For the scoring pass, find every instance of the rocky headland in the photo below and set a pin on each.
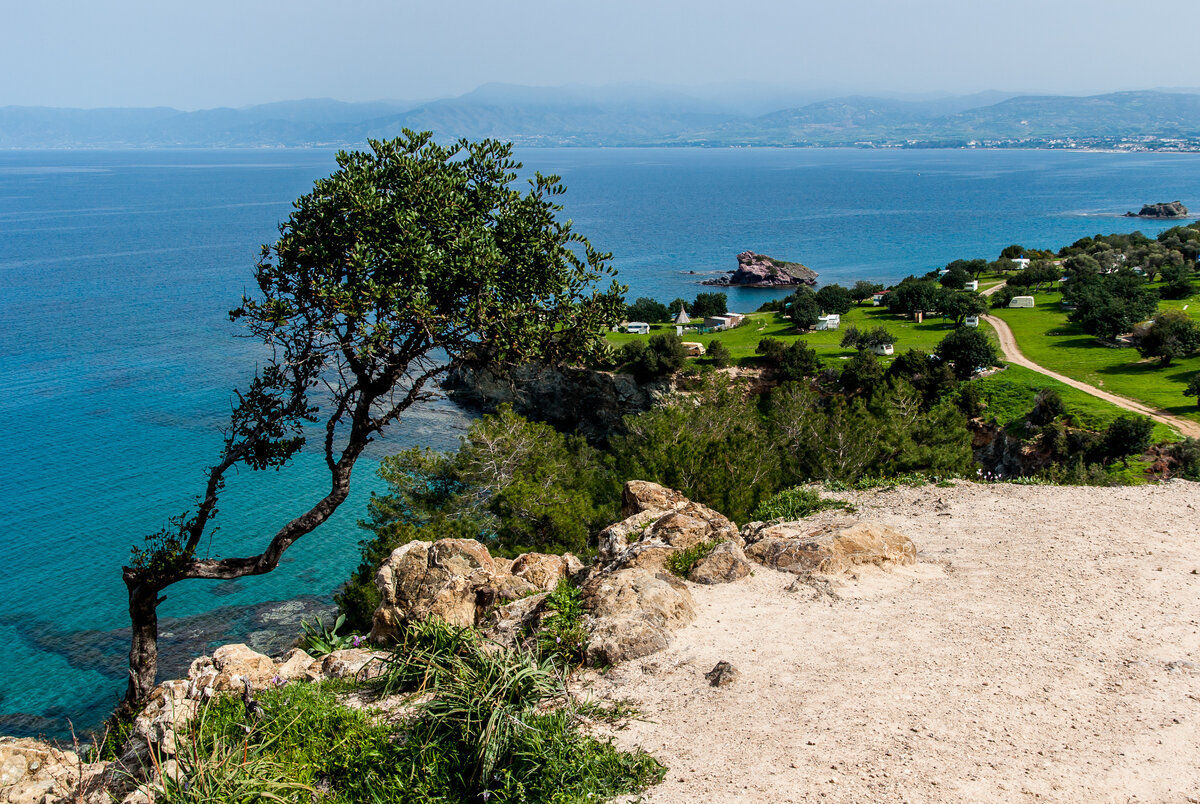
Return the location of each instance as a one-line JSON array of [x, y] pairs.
[[761, 271], [938, 643], [1168, 210]]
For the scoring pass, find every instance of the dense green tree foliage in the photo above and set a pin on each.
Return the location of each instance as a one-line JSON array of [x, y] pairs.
[[709, 304], [968, 350], [791, 362], [648, 310], [834, 299], [915, 296], [661, 355], [802, 308], [863, 290], [958, 305], [1109, 305], [955, 278], [718, 353], [1193, 387], [1173, 334]]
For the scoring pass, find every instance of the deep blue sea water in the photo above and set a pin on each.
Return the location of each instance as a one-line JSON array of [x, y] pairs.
[[117, 270]]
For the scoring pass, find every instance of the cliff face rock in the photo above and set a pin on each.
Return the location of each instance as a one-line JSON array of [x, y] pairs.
[[761, 271], [1173, 209], [591, 402], [797, 547], [458, 581]]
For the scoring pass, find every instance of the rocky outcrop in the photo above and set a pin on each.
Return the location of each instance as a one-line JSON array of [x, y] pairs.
[[32, 772], [593, 403], [1169, 210], [659, 523], [798, 547], [761, 271], [458, 581], [632, 613], [726, 563]]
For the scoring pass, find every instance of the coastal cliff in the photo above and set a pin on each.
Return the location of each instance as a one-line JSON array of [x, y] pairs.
[[760, 271], [591, 402]]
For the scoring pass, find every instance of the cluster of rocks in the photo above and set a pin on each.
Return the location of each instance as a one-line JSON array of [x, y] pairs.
[[633, 605], [761, 271], [33, 772]]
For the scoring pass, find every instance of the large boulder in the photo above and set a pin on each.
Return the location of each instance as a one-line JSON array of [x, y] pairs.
[[632, 612], [33, 772], [799, 547], [726, 562], [659, 522], [227, 669], [458, 581], [760, 271]]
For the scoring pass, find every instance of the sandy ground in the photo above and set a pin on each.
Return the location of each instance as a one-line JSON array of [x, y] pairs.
[[1045, 648]]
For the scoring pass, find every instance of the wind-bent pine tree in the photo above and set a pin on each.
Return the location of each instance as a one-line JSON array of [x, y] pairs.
[[407, 260]]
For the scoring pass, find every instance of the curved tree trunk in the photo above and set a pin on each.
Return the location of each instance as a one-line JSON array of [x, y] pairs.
[[143, 649]]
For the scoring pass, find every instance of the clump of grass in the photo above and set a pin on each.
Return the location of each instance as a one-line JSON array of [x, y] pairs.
[[491, 724], [797, 503], [563, 636], [871, 482], [683, 561]]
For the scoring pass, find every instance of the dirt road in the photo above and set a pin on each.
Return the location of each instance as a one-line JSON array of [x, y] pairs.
[[1008, 345]]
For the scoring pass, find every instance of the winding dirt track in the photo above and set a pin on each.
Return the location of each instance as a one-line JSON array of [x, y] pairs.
[[1008, 345]]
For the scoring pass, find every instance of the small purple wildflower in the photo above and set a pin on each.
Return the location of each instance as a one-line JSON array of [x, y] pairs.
[[357, 640], [278, 680]]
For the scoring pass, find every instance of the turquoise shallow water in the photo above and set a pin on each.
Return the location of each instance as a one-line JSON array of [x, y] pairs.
[[117, 359]]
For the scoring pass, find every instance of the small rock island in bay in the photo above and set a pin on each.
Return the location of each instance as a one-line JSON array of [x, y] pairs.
[[761, 271], [1173, 209]]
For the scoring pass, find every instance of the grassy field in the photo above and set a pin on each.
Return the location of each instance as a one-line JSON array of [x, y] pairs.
[[1045, 336], [742, 340]]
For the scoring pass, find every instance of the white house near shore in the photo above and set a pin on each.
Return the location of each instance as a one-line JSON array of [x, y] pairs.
[[831, 321], [637, 328]]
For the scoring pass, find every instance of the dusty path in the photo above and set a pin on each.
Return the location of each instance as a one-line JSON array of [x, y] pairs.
[[1047, 648], [1008, 345]]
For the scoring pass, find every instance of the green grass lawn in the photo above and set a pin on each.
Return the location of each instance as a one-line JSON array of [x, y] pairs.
[[742, 340], [1045, 336]]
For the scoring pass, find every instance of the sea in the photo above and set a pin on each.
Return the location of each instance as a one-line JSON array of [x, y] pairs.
[[118, 361]]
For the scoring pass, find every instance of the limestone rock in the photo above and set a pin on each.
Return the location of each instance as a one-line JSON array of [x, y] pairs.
[[649, 536], [726, 563], [797, 547], [457, 581], [633, 612], [296, 666], [511, 623], [545, 571], [356, 663], [642, 495], [168, 707], [33, 772]]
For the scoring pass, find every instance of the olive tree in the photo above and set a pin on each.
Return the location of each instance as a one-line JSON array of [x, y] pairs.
[[410, 258]]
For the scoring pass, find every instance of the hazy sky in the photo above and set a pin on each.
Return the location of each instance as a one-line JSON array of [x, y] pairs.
[[217, 52]]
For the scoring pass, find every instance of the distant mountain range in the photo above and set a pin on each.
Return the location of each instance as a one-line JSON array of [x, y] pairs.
[[635, 116]]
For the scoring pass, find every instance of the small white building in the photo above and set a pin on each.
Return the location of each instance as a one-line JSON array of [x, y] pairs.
[[972, 285], [637, 328], [877, 299], [971, 321], [1021, 301], [1021, 262], [717, 322], [735, 319], [883, 349], [827, 322]]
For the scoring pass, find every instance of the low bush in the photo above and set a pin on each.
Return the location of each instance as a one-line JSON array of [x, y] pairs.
[[681, 562], [563, 637], [797, 503]]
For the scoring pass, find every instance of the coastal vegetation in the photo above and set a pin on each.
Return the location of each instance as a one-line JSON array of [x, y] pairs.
[[410, 258]]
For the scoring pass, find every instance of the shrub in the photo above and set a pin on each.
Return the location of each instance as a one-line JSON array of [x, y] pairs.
[[563, 636], [322, 640], [1047, 406], [681, 562], [834, 299], [718, 353], [796, 503], [968, 350]]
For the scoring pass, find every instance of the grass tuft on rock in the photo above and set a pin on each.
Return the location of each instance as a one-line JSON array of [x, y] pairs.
[[796, 503], [681, 562]]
